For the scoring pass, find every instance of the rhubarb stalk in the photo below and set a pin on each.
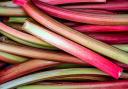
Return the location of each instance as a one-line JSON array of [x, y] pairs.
[[7, 11], [114, 6], [16, 19], [10, 58], [24, 68], [40, 53], [121, 84], [54, 2], [49, 74], [97, 28], [72, 48], [90, 18], [111, 38], [23, 37]]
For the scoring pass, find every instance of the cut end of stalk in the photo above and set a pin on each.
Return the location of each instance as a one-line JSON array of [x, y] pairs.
[[119, 73], [20, 2]]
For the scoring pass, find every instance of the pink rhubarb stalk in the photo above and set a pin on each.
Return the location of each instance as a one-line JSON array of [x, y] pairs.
[[91, 18], [70, 33], [107, 6], [57, 2], [74, 49], [24, 68], [97, 28]]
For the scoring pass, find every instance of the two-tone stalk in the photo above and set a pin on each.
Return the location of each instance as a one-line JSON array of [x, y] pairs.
[[72, 48]]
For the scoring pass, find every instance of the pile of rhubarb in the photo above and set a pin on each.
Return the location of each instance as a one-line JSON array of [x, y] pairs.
[[64, 44]]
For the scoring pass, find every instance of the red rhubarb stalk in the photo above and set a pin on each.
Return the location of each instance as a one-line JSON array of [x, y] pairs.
[[107, 6], [74, 49], [111, 38], [95, 11], [39, 53], [97, 28], [91, 18], [24, 68], [70, 33]]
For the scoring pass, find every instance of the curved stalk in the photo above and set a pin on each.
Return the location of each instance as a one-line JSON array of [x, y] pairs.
[[121, 84], [49, 74], [25, 68]]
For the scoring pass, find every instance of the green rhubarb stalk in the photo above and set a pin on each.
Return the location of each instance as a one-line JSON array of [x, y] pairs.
[[123, 47], [11, 58], [24, 38], [17, 19], [79, 78], [117, 84], [49, 74], [26, 42], [7, 11]]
